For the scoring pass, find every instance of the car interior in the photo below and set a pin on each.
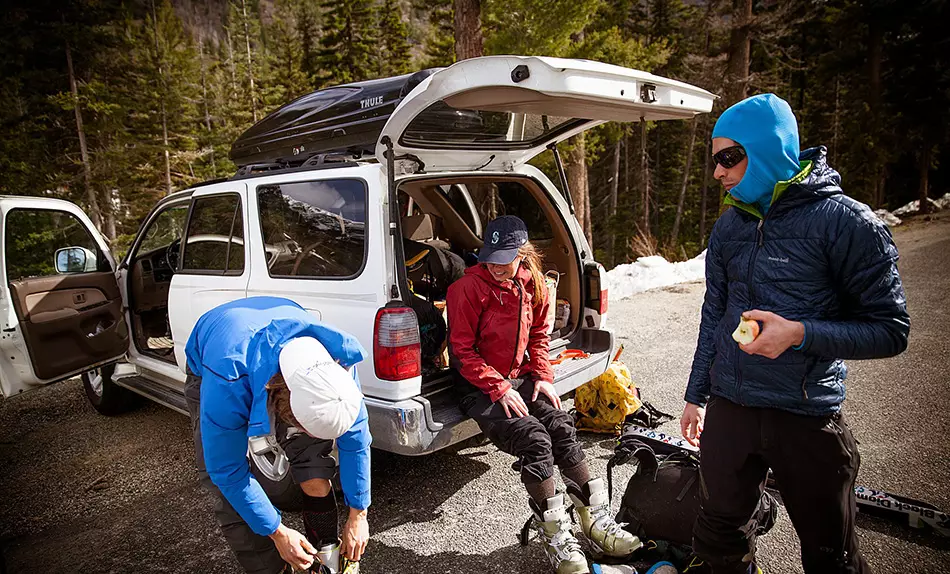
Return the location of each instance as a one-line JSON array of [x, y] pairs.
[[441, 237], [151, 267]]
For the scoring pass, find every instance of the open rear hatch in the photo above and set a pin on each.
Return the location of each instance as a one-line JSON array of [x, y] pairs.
[[497, 112]]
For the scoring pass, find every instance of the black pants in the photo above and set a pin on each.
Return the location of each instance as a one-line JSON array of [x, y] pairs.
[[815, 462], [309, 458], [540, 440]]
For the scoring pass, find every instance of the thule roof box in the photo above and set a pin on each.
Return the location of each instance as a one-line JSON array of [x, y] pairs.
[[344, 120]]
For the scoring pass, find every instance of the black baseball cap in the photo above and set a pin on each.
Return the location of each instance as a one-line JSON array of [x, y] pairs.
[[504, 236]]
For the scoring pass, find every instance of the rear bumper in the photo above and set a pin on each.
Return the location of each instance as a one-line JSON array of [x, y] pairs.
[[425, 424]]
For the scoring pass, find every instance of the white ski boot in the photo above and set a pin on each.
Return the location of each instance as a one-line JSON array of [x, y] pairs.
[[598, 526], [554, 527], [329, 561]]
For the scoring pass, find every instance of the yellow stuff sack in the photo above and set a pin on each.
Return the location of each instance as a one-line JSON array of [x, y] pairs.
[[602, 404]]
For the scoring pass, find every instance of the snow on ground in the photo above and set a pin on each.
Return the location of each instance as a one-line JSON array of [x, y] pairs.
[[652, 272], [891, 217]]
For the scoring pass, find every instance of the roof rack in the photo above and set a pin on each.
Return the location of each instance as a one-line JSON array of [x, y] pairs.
[[315, 162], [341, 120]]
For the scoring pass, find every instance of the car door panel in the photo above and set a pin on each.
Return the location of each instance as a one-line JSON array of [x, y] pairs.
[[70, 321]]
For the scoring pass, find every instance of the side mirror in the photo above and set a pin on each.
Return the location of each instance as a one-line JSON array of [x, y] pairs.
[[74, 260]]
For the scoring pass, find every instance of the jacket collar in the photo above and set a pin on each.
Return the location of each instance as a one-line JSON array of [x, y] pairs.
[[815, 180], [523, 276]]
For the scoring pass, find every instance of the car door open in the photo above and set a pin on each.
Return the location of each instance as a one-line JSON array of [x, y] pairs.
[[60, 302]]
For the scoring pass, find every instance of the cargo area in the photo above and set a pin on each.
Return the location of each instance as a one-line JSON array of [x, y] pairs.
[[442, 221]]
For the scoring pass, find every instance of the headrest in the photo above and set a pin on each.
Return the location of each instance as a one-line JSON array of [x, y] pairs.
[[423, 227]]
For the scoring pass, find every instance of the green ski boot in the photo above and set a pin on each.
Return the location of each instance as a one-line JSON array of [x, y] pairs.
[[598, 526], [554, 528]]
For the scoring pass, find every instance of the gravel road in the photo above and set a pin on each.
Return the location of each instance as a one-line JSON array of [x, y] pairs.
[[83, 493]]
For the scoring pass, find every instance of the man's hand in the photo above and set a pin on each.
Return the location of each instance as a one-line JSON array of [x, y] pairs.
[[691, 424], [355, 535], [778, 334], [513, 404], [293, 547], [547, 389]]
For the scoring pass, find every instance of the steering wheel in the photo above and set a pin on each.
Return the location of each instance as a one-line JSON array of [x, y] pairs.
[[172, 254], [303, 255]]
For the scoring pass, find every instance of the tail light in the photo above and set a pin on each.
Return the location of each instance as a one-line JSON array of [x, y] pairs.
[[603, 301], [596, 288], [397, 350]]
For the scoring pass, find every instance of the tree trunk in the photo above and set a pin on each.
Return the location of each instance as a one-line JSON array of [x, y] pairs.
[[737, 66], [705, 191], [94, 212], [469, 42], [612, 213], [925, 160], [576, 167], [250, 64], [162, 91], [234, 89], [675, 236], [204, 99], [875, 55], [644, 181]]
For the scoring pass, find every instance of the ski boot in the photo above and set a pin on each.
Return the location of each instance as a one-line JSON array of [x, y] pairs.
[[604, 535], [554, 527], [329, 561]]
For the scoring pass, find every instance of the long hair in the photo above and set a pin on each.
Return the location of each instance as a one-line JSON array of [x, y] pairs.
[[532, 260], [278, 400]]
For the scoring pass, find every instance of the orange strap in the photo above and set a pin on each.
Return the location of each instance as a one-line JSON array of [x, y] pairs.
[[568, 354]]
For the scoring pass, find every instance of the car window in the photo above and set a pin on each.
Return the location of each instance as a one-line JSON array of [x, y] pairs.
[[214, 242], [166, 228], [513, 199], [314, 228], [36, 238]]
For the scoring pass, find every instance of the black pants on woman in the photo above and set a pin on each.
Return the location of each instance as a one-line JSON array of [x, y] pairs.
[[540, 440], [815, 462]]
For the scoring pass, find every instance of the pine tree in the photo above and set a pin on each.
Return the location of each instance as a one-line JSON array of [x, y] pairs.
[[284, 77], [348, 42], [393, 55], [440, 36]]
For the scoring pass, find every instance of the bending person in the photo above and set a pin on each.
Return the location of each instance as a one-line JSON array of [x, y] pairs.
[[262, 364], [511, 396]]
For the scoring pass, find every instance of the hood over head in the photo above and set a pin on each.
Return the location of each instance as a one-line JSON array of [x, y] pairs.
[[766, 127]]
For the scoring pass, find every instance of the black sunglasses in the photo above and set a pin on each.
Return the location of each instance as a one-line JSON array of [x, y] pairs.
[[730, 156]]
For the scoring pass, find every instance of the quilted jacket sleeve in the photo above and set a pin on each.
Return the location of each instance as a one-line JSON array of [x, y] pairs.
[[714, 306], [875, 323]]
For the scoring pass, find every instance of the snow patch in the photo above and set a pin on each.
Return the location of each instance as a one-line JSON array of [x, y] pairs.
[[651, 272], [887, 217]]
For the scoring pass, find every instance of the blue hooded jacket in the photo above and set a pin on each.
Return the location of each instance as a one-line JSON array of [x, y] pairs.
[[766, 128], [814, 255], [234, 348]]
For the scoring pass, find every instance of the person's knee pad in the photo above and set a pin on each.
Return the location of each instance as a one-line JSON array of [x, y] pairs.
[[320, 519]]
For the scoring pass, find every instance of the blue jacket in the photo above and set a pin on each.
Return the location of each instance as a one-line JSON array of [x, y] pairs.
[[818, 257], [234, 348]]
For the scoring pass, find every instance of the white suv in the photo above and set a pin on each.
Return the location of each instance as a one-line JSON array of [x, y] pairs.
[[360, 238]]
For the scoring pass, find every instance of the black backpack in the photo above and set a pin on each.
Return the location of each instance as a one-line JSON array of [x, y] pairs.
[[661, 500]]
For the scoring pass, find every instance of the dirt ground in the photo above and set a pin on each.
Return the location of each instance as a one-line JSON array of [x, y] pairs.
[[83, 493]]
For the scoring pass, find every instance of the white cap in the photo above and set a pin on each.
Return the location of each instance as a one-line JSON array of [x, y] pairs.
[[323, 395]]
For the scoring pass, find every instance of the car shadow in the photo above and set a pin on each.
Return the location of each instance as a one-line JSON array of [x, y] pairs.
[[411, 489]]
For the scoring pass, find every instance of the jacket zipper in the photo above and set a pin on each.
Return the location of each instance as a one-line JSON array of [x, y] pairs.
[[514, 356], [760, 239]]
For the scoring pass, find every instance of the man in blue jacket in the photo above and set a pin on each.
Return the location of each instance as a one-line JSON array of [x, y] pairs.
[[818, 271], [265, 364]]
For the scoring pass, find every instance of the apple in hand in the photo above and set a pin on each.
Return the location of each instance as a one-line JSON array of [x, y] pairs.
[[746, 332]]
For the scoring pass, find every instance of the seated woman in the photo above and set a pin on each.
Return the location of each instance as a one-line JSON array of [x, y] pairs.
[[500, 301]]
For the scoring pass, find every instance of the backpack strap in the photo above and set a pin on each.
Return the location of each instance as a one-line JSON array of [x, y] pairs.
[[628, 448]]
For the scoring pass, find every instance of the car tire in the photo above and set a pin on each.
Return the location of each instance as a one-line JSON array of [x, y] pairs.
[[104, 395], [274, 476]]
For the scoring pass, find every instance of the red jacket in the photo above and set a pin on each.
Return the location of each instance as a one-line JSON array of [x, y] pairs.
[[492, 325]]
